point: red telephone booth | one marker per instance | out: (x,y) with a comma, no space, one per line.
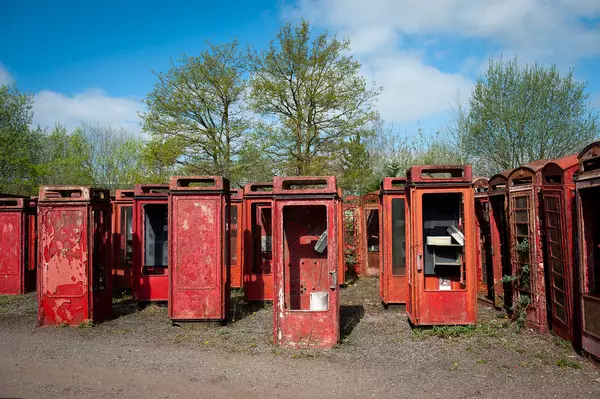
(122,238)
(75,262)
(258,233)
(198,283)
(306,261)
(369,217)
(394,233)
(236,237)
(558,191)
(526,249)
(486,277)
(442,285)
(500,238)
(587,186)
(17,244)
(150,260)
(351,228)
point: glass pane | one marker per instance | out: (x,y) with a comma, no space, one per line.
(156,237)
(521,202)
(558,281)
(523,256)
(555,249)
(553,235)
(127,234)
(559,298)
(398,237)
(553,219)
(557,266)
(233,235)
(552,203)
(373,230)
(523,229)
(521,216)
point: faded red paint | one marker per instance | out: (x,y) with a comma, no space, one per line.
(302,213)
(74,274)
(442,285)
(150,275)
(394,235)
(122,238)
(17,244)
(558,192)
(587,186)
(198,248)
(525,218)
(370,217)
(352,239)
(236,236)
(258,235)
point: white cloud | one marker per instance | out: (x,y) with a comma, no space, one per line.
(5,77)
(92,106)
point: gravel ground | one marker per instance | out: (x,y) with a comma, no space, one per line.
(141,354)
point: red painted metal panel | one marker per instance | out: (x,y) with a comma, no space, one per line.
(122,238)
(306,262)
(236,236)
(587,185)
(74,280)
(442,277)
(394,241)
(198,247)
(150,280)
(258,234)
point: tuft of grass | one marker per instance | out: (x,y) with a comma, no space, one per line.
(63,325)
(86,324)
(481,361)
(446,332)
(563,343)
(123,331)
(564,362)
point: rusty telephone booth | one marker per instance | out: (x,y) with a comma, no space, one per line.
(394,233)
(150,260)
(198,248)
(369,212)
(500,238)
(486,278)
(306,261)
(122,238)
(558,192)
(17,244)
(236,237)
(258,234)
(526,247)
(74,256)
(351,230)
(587,186)
(442,285)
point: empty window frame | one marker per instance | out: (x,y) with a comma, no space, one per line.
(156,238)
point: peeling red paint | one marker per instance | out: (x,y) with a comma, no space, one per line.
(198,249)
(74,283)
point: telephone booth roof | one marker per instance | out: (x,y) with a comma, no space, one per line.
(124,195)
(258,189)
(425,174)
(561,170)
(498,182)
(393,184)
(73,194)
(315,185)
(531,170)
(209,183)
(151,190)
(589,161)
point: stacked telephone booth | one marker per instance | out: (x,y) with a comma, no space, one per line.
(526,247)
(236,240)
(122,238)
(587,186)
(558,191)
(306,261)
(17,244)
(442,286)
(500,237)
(258,234)
(150,259)
(198,248)
(394,235)
(486,276)
(369,217)
(75,262)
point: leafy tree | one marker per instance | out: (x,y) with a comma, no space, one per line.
(311,97)
(520,114)
(18,144)
(197,105)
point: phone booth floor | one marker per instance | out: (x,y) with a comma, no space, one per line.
(394,230)
(122,238)
(587,185)
(198,284)
(17,244)
(306,262)
(370,216)
(150,260)
(75,262)
(258,233)
(236,238)
(442,283)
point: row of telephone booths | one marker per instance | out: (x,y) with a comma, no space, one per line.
(438,239)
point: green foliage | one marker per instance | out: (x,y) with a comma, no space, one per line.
(195,110)
(523,246)
(519,309)
(447,332)
(564,362)
(518,114)
(311,97)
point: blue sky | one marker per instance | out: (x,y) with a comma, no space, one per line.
(93,61)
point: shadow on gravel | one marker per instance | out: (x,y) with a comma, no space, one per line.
(239,308)
(350,316)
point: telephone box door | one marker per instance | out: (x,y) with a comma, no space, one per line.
(395,248)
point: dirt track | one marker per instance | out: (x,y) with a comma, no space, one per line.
(140,354)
